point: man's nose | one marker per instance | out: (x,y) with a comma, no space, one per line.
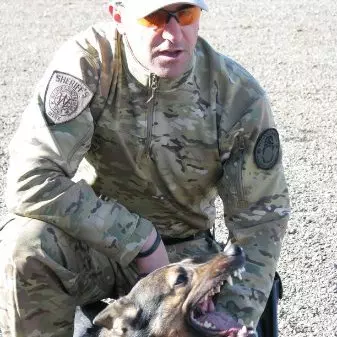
(172,30)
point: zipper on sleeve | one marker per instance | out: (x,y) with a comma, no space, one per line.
(239,167)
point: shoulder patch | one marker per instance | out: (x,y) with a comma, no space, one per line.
(267,149)
(66,97)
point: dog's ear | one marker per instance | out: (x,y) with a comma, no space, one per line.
(106,316)
(121,316)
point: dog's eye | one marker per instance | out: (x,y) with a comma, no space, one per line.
(182,278)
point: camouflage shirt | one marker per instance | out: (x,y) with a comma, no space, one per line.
(151,151)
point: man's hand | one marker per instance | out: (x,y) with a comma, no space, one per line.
(156,259)
(244,332)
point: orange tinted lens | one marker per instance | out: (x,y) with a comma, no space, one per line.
(156,19)
(188,15)
(159,18)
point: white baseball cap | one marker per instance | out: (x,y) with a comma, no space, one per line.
(146,7)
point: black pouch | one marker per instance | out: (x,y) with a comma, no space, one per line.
(268,326)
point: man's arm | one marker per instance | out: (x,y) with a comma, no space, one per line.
(256,207)
(54,135)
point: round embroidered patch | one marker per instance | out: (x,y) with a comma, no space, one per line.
(267,149)
(63,101)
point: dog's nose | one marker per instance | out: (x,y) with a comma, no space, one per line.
(233,250)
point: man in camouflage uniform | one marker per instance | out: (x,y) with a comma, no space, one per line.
(130,131)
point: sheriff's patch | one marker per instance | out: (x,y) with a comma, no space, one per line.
(66,97)
(267,149)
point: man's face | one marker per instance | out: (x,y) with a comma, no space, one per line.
(164,51)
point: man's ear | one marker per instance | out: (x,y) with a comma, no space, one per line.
(116,17)
(115,13)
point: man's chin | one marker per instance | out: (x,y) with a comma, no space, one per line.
(169,73)
(170,69)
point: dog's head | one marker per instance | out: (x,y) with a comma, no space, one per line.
(176,300)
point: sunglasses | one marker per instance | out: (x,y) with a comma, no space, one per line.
(160,18)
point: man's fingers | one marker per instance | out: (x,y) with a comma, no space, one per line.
(246,332)
(243,332)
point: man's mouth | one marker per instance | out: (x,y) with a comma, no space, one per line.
(173,53)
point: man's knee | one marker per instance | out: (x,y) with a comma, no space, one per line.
(24,240)
(43,254)
(33,276)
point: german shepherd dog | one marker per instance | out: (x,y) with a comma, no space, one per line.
(177,300)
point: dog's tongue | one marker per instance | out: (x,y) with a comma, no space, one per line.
(221,320)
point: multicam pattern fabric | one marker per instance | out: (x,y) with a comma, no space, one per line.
(50,272)
(153,152)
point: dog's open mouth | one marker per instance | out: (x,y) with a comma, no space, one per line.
(203,316)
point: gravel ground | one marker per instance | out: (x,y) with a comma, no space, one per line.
(290,47)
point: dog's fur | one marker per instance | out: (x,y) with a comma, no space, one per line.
(166,302)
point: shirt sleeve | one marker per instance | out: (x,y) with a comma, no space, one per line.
(256,206)
(53,137)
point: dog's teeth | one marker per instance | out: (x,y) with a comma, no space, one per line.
(230,280)
(244,329)
(207,324)
(239,276)
(217,289)
(213,326)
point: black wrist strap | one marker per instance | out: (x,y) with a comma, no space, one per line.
(152,248)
